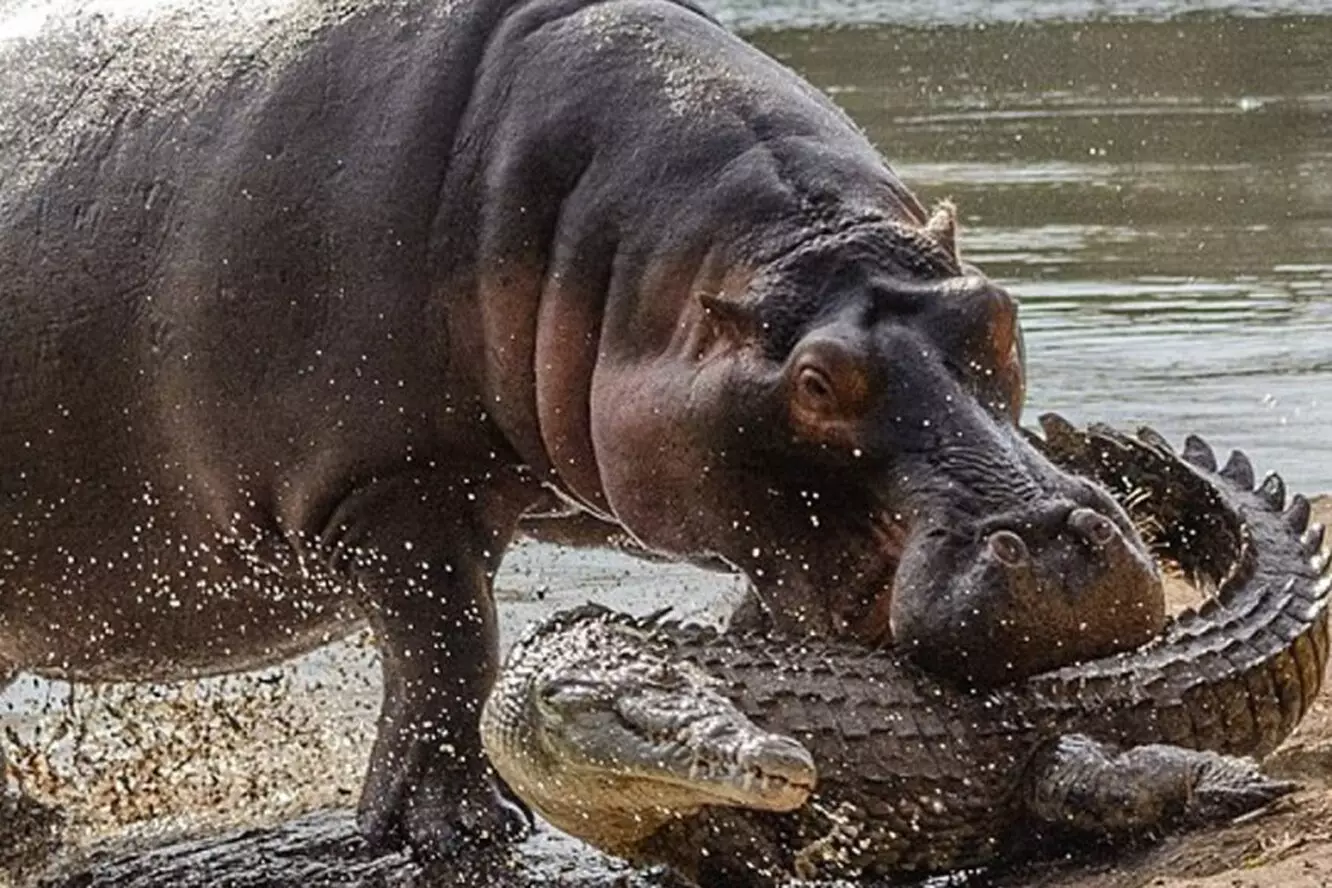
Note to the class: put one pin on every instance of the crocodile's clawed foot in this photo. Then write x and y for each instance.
(1228, 787)
(1097, 788)
(832, 855)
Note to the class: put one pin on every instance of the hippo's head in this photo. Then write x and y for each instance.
(849, 439)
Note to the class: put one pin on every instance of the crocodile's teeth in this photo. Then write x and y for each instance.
(1297, 515)
(1320, 561)
(1152, 438)
(1273, 492)
(1199, 453)
(1312, 539)
(1238, 470)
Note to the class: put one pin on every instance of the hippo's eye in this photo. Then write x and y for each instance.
(816, 387)
(828, 384)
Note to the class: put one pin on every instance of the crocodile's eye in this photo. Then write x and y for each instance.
(563, 695)
(662, 676)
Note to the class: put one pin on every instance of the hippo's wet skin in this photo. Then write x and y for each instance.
(300, 312)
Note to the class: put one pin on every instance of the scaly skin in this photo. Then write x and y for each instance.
(676, 743)
(919, 776)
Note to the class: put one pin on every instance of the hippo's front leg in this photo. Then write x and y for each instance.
(423, 551)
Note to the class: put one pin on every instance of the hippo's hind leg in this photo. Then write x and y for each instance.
(426, 550)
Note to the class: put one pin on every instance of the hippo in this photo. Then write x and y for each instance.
(303, 306)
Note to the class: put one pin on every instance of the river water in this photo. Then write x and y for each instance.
(1153, 181)
(1158, 193)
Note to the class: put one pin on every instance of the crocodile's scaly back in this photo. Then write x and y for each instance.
(918, 775)
(1236, 675)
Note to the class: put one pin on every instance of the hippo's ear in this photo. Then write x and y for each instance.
(736, 320)
(943, 227)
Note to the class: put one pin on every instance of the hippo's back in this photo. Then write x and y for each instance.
(104, 121)
(72, 70)
(181, 183)
(214, 226)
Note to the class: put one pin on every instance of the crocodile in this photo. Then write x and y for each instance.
(614, 728)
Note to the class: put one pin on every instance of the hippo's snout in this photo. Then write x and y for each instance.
(1100, 535)
(1028, 591)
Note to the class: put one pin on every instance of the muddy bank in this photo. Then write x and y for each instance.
(323, 849)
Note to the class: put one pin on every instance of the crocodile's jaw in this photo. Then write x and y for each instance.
(620, 742)
(622, 802)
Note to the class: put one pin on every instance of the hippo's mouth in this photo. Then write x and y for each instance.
(890, 531)
(867, 617)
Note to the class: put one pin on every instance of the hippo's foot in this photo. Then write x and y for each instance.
(429, 786)
(442, 814)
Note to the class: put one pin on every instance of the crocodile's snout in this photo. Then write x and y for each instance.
(614, 732)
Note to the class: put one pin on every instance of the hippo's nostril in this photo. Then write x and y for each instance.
(1097, 528)
(1008, 548)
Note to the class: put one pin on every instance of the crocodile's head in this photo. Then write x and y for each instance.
(605, 739)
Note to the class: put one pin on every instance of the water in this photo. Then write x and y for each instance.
(1152, 179)
(750, 16)
(1157, 193)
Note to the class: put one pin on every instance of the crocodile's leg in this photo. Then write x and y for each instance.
(1091, 786)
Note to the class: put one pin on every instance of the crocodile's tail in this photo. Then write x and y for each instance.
(1237, 674)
